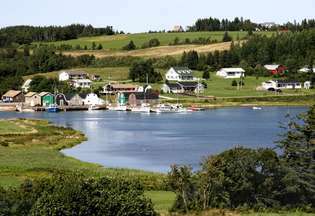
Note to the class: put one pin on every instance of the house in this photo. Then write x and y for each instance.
(72, 75)
(178, 28)
(47, 99)
(306, 70)
(26, 85)
(115, 88)
(179, 74)
(69, 99)
(268, 25)
(81, 83)
(192, 87)
(281, 84)
(95, 77)
(13, 96)
(137, 98)
(174, 88)
(93, 99)
(276, 69)
(230, 73)
(33, 99)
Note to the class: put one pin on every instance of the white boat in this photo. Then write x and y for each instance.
(168, 108)
(145, 108)
(93, 107)
(257, 108)
(117, 108)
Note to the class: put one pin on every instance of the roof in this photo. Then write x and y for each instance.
(30, 94)
(12, 93)
(42, 94)
(287, 81)
(233, 70)
(271, 67)
(174, 85)
(74, 72)
(82, 81)
(189, 84)
(183, 71)
(122, 86)
(148, 95)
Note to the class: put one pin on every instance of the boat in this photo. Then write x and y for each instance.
(195, 109)
(53, 108)
(145, 108)
(117, 108)
(93, 107)
(169, 108)
(257, 108)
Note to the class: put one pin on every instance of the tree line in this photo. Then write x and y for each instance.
(28, 34)
(256, 179)
(241, 24)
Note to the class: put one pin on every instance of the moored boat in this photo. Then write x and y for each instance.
(52, 108)
(145, 108)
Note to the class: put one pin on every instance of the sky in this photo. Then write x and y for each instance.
(144, 15)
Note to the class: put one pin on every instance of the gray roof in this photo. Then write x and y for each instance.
(183, 71)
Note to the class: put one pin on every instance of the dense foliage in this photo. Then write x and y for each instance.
(29, 34)
(259, 179)
(214, 24)
(143, 71)
(75, 195)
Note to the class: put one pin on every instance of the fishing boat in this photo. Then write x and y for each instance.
(257, 108)
(53, 108)
(168, 108)
(118, 107)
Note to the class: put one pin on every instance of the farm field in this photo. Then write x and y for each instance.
(116, 42)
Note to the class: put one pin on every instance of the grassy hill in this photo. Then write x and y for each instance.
(116, 42)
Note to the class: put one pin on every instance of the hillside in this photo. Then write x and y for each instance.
(112, 45)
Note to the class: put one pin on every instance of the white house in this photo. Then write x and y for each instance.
(81, 83)
(179, 74)
(281, 84)
(229, 73)
(70, 75)
(26, 85)
(93, 99)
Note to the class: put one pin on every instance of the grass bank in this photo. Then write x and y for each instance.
(31, 149)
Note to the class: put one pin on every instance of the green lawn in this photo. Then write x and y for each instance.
(12, 127)
(116, 42)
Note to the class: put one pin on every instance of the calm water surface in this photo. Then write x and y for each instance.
(155, 141)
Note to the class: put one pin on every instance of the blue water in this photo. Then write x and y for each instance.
(155, 141)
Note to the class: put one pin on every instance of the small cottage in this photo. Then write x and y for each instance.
(81, 83)
(230, 73)
(195, 87)
(72, 75)
(93, 99)
(33, 99)
(95, 77)
(47, 99)
(13, 96)
(137, 98)
(179, 74)
(272, 85)
(115, 88)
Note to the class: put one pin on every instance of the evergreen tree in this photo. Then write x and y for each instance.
(226, 37)
(130, 46)
(93, 45)
(206, 74)
(298, 147)
(99, 47)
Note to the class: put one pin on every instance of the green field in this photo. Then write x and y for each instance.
(116, 42)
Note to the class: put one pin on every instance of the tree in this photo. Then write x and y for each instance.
(93, 45)
(206, 74)
(190, 59)
(99, 47)
(130, 46)
(139, 71)
(298, 147)
(226, 37)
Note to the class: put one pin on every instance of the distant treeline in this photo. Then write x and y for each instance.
(29, 34)
(241, 24)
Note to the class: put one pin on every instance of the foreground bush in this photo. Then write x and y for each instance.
(75, 195)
